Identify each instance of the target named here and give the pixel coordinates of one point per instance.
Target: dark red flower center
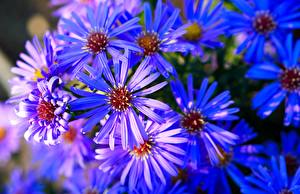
(45, 111)
(70, 135)
(193, 121)
(120, 98)
(97, 42)
(2, 133)
(143, 150)
(290, 79)
(264, 22)
(91, 191)
(292, 164)
(285, 191)
(149, 42)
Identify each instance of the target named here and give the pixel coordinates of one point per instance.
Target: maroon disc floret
(120, 98)
(149, 42)
(45, 111)
(290, 79)
(193, 121)
(264, 22)
(97, 42)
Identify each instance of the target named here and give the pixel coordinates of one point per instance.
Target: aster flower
(38, 64)
(134, 7)
(9, 133)
(118, 97)
(206, 25)
(89, 180)
(262, 21)
(159, 35)
(286, 83)
(274, 180)
(242, 154)
(289, 148)
(24, 182)
(198, 117)
(69, 156)
(92, 36)
(66, 7)
(152, 160)
(45, 110)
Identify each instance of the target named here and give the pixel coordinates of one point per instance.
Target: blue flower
(150, 162)
(38, 64)
(117, 97)
(285, 75)
(90, 37)
(262, 21)
(159, 35)
(24, 182)
(242, 154)
(274, 180)
(45, 110)
(198, 117)
(206, 25)
(289, 148)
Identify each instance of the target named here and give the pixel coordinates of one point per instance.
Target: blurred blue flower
(207, 25)
(118, 98)
(90, 37)
(24, 182)
(262, 21)
(289, 148)
(152, 161)
(274, 180)
(38, 64)
(198, 117)
(285, 75)
(45, 112)
(242, 154)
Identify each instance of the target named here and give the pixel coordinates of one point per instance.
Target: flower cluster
(106, 107)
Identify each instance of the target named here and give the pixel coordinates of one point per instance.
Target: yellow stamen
(193, 32)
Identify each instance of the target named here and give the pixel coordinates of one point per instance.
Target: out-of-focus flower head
(262, 21)
(35, 66)
(45, 111)
(285, 75)
(9, 133)
(273, 180)
(289, 148)
(151, 162)
(242, 154)
(24, 182)
(118, 96)
(92, 37)
(199, 115)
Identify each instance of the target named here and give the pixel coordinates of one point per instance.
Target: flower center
(264, 22)
(38, 74)
(292, 164)
(193, 121)
(225, 158)
(97, 42)
(91, 191)
(120, 98)
(149, 42)
(193, 32)
(45, 111)
(286, 191)
(70, 135)
(144, 149)
(290, 79)
(2, 133)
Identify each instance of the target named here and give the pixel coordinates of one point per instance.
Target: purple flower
(89, 37)
(118, 98)
(9, 133)
(199, 115)
(159, 35)
(206, 25)
(285, 86)
(151, 161)
(45, 110)
(38, 64)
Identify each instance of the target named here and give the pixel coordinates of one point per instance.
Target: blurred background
(20, 20)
